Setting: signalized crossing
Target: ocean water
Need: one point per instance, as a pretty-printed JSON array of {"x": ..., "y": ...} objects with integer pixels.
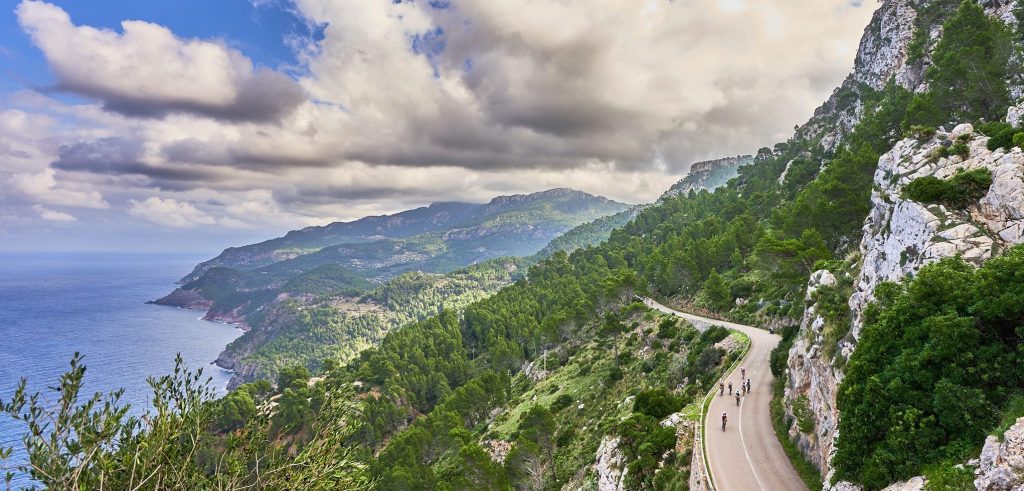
[{"x": 53, "y": 305}]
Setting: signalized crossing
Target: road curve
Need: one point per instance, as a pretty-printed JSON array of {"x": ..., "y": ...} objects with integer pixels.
[{"x": 747, "y": 455}]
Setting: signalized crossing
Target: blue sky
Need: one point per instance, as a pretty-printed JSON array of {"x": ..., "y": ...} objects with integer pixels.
[
  {"x": 194, "y": 125},
  {"x": 258, "y": 31}
]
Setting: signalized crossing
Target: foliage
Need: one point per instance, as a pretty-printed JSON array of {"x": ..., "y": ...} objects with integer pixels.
[
  {"x": 932, "y": 369},
  {"x": 949, "y": 476},
  {"x": 808, "y": 473},
  {"x": 97, "y": 442},
  {"x": 967, "y": 77},
  {"x": 643, "y": 443},
  {"x": 715, "y": 292},
  {"x": 590, "y": 233},
  {"x": 804, "y": 414},
  {"x": 657, "y": 403},
  {"x": 333, "y": 328},
  {"x": 959, "y": 191},
  {"x": 1000, "y": 134},
  {"x": 833, "y": 306},
  {"x": 1014, "y": 410}
]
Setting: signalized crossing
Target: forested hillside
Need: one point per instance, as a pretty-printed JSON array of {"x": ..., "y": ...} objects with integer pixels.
[
  {"x": 336, "y": 326},
  {"x": 437, "y": 238},
  {"x": 529, "y": 387}
]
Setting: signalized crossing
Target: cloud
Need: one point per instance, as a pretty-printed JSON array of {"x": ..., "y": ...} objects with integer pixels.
[
  {"x": 52, "y": 215},
  {"x": 170, "y": 212},
  {"x": 117, "y": 156},
  {"x": 402, "y": 104},
  {"x": 44, "y": 187},
  {"x": 147, "y": 71}
]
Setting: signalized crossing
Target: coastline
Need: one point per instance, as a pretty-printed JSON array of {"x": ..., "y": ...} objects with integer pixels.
[{"x": 222, "y": 361}]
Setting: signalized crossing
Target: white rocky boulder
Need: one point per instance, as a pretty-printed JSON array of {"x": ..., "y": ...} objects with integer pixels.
[
  {"x": 610, "y": 465},
  {"x": 1001, "y": 466}
]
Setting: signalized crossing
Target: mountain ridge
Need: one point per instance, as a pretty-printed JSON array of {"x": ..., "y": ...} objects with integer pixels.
[{"x": 436, "y": 217}]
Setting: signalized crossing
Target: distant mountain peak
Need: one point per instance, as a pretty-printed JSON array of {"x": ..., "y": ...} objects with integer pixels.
[
  {"x": 545, "y": 214},
  {"x": 708, "y": 174}
]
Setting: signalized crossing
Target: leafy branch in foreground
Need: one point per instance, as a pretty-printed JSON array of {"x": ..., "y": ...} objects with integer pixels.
[{"x": 97, "y": 443}]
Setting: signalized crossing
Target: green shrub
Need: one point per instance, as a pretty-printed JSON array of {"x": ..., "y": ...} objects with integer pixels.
[
  {"x": 668, "y": 328},
  {"x": 1018, "y": 139},
  {"x": 644, "y": 441},
  {"x": 803, "y": 413},
  {"x": 1014, "y": 410},
  {"x": 928, "y": 379},
  {"x": 657, "y": 403},
  {"x": 561, "y": 402},
  {"x": 960, "y": 148},
  {"x": 780, "y": 354},
  {"x": 958, "y": 191},
  {"x": 1000, "y": 135},
  {"x": 948, "y": 476},
  {"x": 614, "y": 375},
  {"x": 922, "y": 133}
]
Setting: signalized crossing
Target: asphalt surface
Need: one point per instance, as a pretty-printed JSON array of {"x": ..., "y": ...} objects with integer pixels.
[{"x": 747, "y": 455}]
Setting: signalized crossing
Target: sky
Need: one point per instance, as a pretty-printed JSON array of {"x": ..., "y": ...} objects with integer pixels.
[{"x": 192, "y": 125}]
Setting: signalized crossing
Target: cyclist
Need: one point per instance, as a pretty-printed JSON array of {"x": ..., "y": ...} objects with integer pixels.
[
  {"x": 721, "y": 388},
  {"x": 737, "y": 398},
  {"x": 748, "y": 385},
  {"x": 724, "y": 419},
  {"x": 730, "y": 386},
  {"x": 743, "y": 373}
]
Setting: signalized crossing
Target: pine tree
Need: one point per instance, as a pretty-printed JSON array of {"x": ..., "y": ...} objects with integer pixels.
[{"x": 716, "y": 292}]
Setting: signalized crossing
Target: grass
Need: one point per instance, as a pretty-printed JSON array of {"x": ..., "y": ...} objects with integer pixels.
[
  {"x": 807, "y": 471},
  {"x": 1014, "y": 410}
]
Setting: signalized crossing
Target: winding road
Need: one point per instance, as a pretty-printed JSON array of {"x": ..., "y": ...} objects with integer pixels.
[{"x": 746, "y": 456}]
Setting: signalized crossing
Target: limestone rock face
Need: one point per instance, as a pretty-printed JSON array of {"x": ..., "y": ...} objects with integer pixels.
[
  {"x": 1001, "y": 466},
  {"x": 812, "y": 376},
  {"x": 901, "y": 235},
  {"x": 913, "y": 484},
  {"x": 697, "y": 480},
  {"x": 610, "y": 465},
  {"x": 883, "y": 50}
]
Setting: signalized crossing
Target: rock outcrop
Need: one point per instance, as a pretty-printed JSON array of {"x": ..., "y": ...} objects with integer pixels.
[
  {"x": 884, "y": 49},
  {"x": 709, "y": 174},
  {"x": 1001, "y": 466},
  {"x": 610, "y": 465},
  {"x": 883, "y": 55},
  {"x": 812, "y": 376},
  {"x": 900, "y": 237}
]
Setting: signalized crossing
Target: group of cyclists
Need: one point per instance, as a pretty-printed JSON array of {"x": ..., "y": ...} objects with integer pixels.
[{"x": 743, "y": 389}]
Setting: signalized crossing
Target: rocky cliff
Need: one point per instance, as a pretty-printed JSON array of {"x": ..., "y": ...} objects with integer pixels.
[
  {"x": 901, "y": 236},
  {"x": 709, "y": 174},
  {"x": 883, "y": 55}
]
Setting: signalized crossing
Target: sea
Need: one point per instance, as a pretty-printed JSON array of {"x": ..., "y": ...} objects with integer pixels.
[{"x": 56, "y": 304}]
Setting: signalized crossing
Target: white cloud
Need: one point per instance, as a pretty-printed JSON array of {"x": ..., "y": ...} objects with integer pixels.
[
  {"x": 44, "y": 187},
  {"x": 615, "y": 97},
  {"x": 147, "y": 70},
  {"x": 53, "y": 215},
  {"x": 170, "y": 212}
]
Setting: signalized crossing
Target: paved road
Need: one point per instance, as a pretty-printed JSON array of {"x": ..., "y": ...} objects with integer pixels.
[{"x": 747, "y": 455}]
